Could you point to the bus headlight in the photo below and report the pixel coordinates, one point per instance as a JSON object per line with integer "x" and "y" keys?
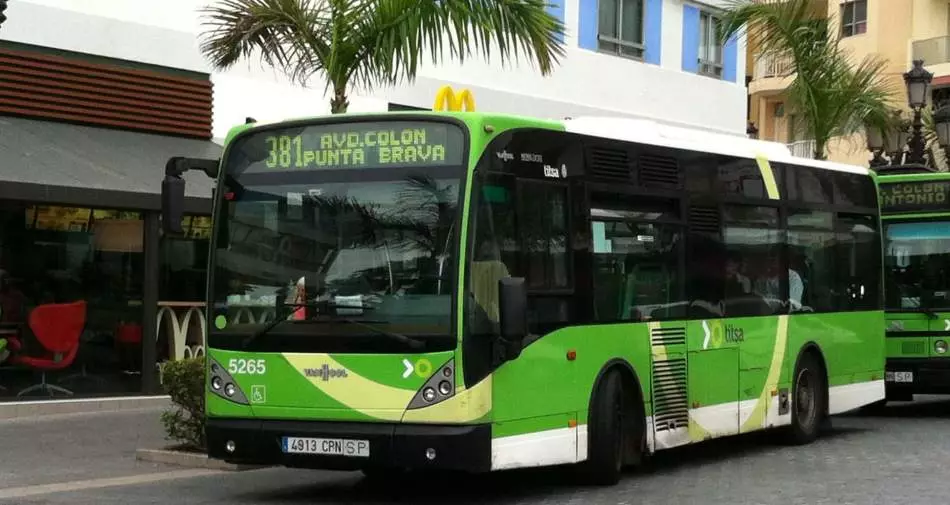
{"x": 223, "y": 385}
{"x": 438, "y": 387}
{"x": 940, "y": 346}
{"x": 445, "y": 387}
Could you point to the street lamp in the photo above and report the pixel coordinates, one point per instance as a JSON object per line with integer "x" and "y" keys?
{"x": 876, "y": 145}
{"x": 942, "y": 125}
{"x": 917, "y": 80}
{"x": 903, "y": 140}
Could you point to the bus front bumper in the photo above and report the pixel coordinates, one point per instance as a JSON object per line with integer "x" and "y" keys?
{"x": 918, "y": 376}
{"x": 352, "y": 446}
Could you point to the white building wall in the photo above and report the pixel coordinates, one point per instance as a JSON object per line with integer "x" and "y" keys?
{"x": 166, "y": 33}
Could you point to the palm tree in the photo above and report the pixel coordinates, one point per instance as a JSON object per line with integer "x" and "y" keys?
{"x": 835, "y": 96}
{"x": 373, "y": 42}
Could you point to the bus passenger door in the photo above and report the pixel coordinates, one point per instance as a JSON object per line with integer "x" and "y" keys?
{"x": 713, "y": 380}
{"x": 713, "y": 359}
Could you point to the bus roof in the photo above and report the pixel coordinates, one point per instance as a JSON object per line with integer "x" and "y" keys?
{"x": 907, "y": 177}
{"x": 651, "y": 132}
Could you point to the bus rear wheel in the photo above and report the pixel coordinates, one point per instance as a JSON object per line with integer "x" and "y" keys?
{"x": 607, "y": 431}
{"x": 809, "y": 394}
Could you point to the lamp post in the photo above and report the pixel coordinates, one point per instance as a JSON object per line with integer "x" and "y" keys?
{"x": 917, "y": 80}
{"x": 905, "y": 134}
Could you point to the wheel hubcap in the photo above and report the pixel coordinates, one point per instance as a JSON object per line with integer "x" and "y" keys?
{"x": 805, "y": 398}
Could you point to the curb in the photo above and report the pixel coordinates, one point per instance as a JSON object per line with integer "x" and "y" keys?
{"x": 190, "y": 459}
{"x": 15, "y": 410}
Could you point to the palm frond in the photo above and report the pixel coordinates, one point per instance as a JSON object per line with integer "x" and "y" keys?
{"x": 284, "y": 32}
{"x": 401, "y": 31}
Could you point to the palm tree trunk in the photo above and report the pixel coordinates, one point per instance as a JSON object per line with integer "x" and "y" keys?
{"x": 339, "y": 103}
{"x": 820, "y": 149}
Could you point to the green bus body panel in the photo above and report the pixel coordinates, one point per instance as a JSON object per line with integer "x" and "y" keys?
{"x": 916, "y": 346}
{"x": 736, "y": 363}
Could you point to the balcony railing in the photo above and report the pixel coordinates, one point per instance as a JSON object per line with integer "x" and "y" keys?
{"x": 933, "y": 51}
{"x": 803, "y": 148}
{"x": 772, "y": 65}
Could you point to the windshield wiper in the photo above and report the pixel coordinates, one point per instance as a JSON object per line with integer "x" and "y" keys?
{"x": 282, "y": 317}
{"x": 411, "y": 342}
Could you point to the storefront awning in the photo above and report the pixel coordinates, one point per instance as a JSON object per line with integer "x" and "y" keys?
{"x": 43, "y": 161}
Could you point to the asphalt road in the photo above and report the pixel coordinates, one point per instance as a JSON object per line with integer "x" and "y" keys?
{"x": 898, "y": 456}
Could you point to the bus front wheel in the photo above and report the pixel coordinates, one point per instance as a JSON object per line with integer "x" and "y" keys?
{"x": 808, "y": 400}
{"x": 607, "y": 430}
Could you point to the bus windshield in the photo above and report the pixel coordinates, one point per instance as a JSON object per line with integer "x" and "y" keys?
{"x": 336, "y": 224}
{"x": 917, "y": 264}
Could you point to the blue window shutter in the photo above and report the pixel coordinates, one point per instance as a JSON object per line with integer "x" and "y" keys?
{"x": 653, "y": 31}
{"x": 587, "y": 24}
{"x": 730, "y": 57}
{"x": 556, "y": 9}
{"x": 690, "y": 39}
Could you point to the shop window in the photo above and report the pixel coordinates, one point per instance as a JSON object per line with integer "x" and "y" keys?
{"x": 59, "y": 254}
{"x": 184, "y": 261}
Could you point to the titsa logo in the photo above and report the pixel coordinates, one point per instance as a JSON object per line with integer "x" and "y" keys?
{"x": 734, "y": 334}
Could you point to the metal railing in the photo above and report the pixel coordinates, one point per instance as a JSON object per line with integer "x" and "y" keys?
{"x": 933, "y": 51}
{"x": 772, "y": 65}
{"x": 802, "y": 148}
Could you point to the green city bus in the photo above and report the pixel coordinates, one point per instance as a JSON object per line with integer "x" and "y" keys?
{"x": 476, "y": 292}
{"x": 915, "y": 213}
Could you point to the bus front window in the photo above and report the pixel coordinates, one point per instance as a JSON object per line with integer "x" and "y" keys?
{"x": 355, "y": 243}
{"x": 917, "y": 264}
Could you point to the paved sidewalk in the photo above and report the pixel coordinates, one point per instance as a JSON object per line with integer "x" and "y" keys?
{"x": 75, "y": 447}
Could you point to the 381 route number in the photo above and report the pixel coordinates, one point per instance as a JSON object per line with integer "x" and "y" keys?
{"x": 247, "y": 366}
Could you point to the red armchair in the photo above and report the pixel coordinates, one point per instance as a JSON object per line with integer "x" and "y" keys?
{"x": 57, "y": 327}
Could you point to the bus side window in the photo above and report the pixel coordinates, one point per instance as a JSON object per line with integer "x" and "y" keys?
{"x": 758, "y": 281}
{"x": 636, "y": 271}
{"x": 858, "y": 263}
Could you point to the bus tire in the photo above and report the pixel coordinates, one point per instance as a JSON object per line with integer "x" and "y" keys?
{"x": 607, "y": 437}
{"x": 809, "y": 396}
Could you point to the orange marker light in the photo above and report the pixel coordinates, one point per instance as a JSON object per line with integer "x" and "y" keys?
{"x": 572, "y": 423}
{"x": 571, "y": 355}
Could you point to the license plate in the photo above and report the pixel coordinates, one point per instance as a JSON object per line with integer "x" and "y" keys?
{"x": 326, "y": 446}
{"x": 899, "y": 376}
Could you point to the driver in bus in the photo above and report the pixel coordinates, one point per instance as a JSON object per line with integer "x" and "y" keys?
{"x": 487, "y": 271}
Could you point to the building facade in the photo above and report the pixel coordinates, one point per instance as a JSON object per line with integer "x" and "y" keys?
{"x": 96, "y": 96}
{"x": 898, "y": 31}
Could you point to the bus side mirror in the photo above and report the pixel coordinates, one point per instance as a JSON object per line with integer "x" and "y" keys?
{"x": 173, "y": 203}
{"x": 513, "y": 309}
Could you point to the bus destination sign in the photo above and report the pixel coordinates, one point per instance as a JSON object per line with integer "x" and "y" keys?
{"x": 915, "y": 196}
{"x": 357, "y": 145}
